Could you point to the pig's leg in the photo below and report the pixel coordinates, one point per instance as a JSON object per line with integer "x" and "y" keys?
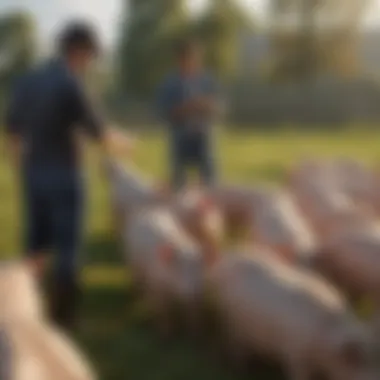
{"x": 138, "y": 283}
{"x": 297, "y": 367}
{"x": 159, "y": 304}
{"x": 376, "y": 323}
{"x": 236, "y": 348}
{"x": 194, "y": 317}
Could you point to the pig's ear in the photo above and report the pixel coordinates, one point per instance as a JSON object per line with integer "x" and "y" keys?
{"x": 166, "y": 254}
{"x": 353, "y": 354}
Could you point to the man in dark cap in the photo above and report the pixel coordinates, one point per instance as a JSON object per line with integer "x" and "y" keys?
{"x": 47, "y": 110}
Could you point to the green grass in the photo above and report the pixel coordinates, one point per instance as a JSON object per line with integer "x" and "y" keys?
{"x": 114, "y": 334}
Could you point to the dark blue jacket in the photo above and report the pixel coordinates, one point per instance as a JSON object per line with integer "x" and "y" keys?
{"x": 47, "y": 106}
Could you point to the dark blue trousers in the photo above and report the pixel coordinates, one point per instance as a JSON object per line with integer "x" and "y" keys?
{"x": 191, "y": 151}
{"x": 54, "y": 213}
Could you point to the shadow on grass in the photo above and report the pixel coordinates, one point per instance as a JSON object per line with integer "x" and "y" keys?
{"x": 104, "y": 249}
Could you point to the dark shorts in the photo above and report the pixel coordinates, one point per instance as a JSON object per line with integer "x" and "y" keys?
{"x": 53, "y": 214}
{"x": 192, "y": 151}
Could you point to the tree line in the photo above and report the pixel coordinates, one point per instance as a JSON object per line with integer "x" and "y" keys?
{"x": 300, "y": 48}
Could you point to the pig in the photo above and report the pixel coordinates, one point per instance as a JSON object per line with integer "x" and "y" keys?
{"x": 200, "y": 216}
{"x": 235, "y": 203}
{"x": 135, "y": 190}
{"x": 321, "y": 201}
{"x": 350, "y": 256}
{"x": 354, "y": 179}
{"x": 348, "y": 240}
{"x": 323, "y": 197}
{"x": 36, "y": 350}
{"x": 311, "y": 171}
{"x": 293, "y": 316}
{"x": 195, "y": 211}
{"x": 310, "y": 178}
{"x": 375, "y": 194}
{"x": 20, "y": 296}
{"x": 337, "y": 211}
{"x": 167, "y": 265}
{"x": 130, "y": 191}
{"x": 278, "y": 224}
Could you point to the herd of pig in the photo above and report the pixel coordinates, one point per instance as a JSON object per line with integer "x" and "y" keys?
{"x": 311, "y": 247}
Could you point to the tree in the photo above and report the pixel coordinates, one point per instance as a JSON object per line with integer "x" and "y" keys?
{"x": 146, "y": 46}
{"x": 219, "y": 29}
{"x": 17, "y": 45}
{"x": 339, "y": 45}
{"x": 318, "y": 36}
{"x": 17, "y": 48}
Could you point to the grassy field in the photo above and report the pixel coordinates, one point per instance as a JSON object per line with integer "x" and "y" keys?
{"x": 115, "y": 334}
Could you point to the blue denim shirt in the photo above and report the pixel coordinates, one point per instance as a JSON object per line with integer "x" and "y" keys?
{"x": 176, "y": 90}
{"x": 46, "y": 107}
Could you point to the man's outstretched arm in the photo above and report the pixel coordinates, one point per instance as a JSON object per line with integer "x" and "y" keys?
{"x": 110, "y": 139}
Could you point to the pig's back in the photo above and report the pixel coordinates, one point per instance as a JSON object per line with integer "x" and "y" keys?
{"x": 279, "y": 217}
{"x": 129, "y": 188}
{"x": 135, "y": 188}
{"x": 142, "y": 237}
{"x": 355, "y": 253}
{"x": 153, "y": 227}
{"x": 276, "y": 298}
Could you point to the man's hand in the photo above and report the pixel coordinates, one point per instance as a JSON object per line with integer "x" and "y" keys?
{"x": 117, "y": 142}
{"x": 202, "y": 101}
{"x": 208, "y": 105}
{"x": 200, "y": 104}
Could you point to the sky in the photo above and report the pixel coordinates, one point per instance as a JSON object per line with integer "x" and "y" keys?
{"x": 51, "y": 14}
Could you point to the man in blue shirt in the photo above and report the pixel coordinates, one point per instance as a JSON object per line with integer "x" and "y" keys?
{"x": 47, "y": 110}
{"x": 188, "y": 102}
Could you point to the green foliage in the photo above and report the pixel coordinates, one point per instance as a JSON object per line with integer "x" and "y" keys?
{"x": 17, "y": 49}
{"x": 313, "y": 45}
{"x": 146, "y": 46}
{"x": 17, "y": 45}
{"x": 220, "y": 29}
{"x": 154, "y": 26}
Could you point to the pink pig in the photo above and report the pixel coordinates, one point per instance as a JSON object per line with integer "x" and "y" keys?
{"x": 166, "y": 263}
{"x": 278, "y": 224}
{"x": 290, "y": 315}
